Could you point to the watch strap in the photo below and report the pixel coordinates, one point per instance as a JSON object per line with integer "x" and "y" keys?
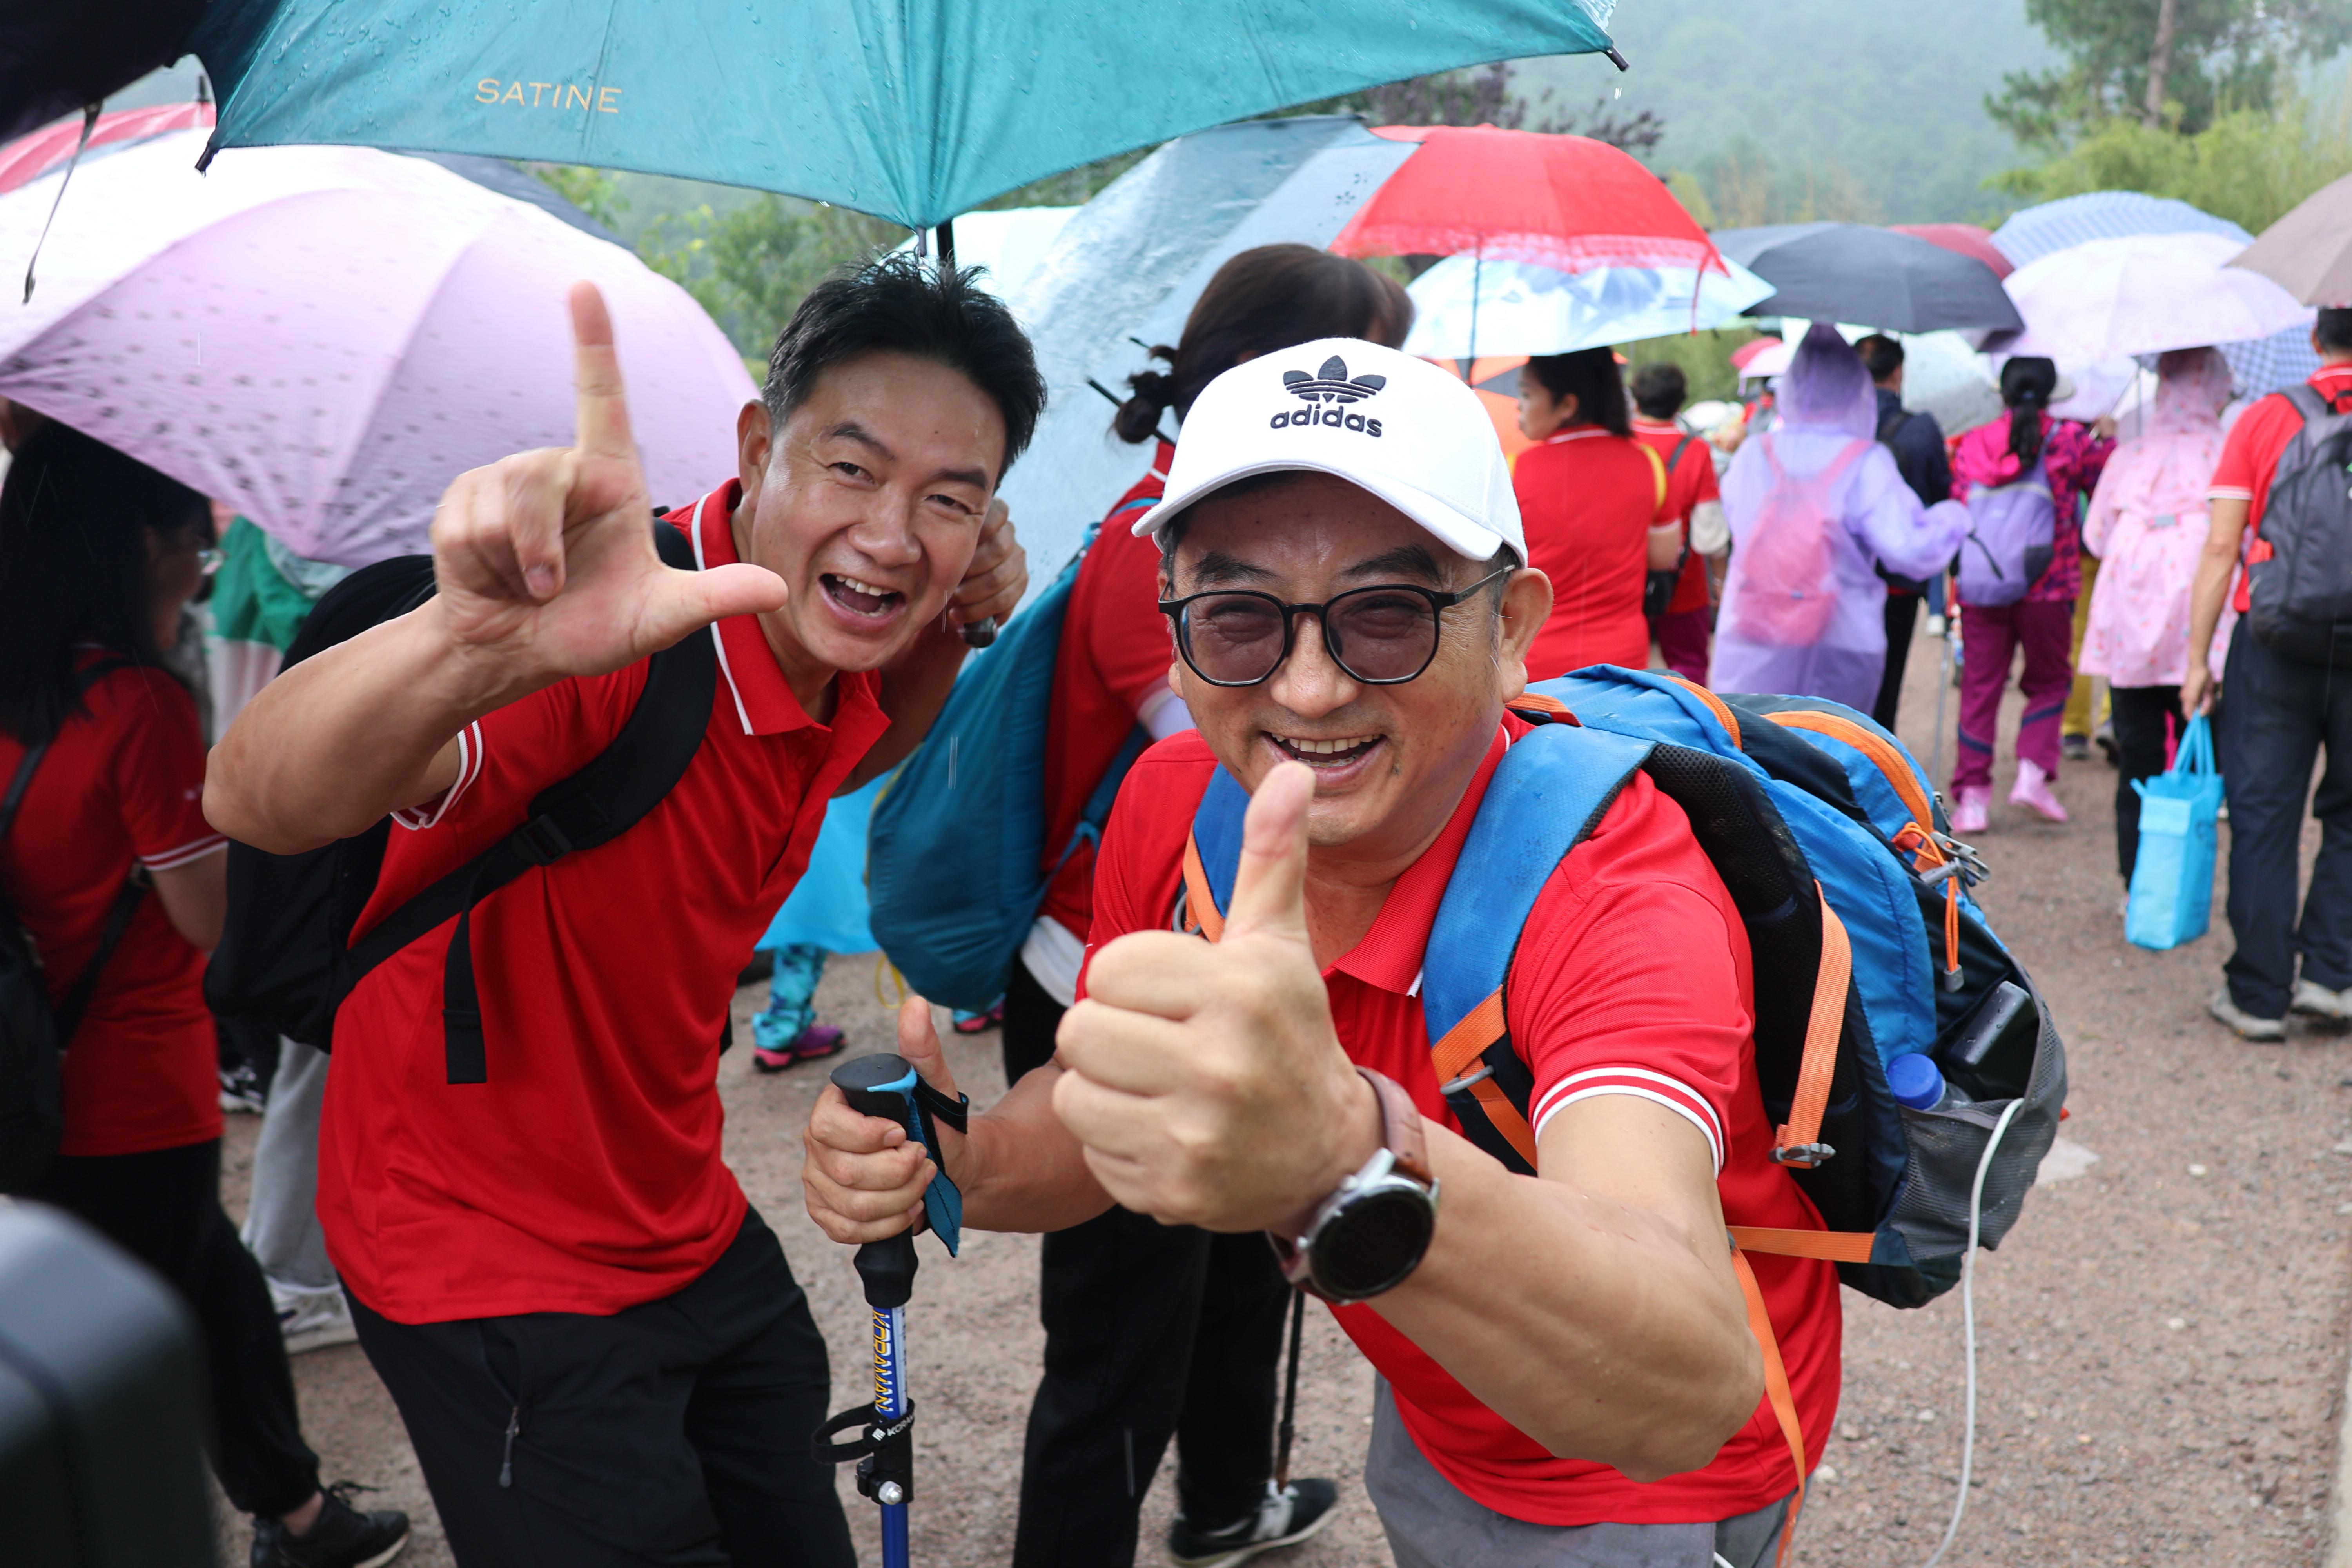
{"x": 1401, "y": 1130}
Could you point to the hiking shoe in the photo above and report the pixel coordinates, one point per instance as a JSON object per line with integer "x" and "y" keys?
{"x": 1284, "y": 1519}
{"x": 314, "y": 1319}
{"x": 2261, "y": 1031}
{"x": 242, "y": 1092}
{"x": 979, "y": 1023}
{"x": 1971, "y": 810}
{"x": 2074, "y": 748}
{"x": 340, "y": 1537}
{"x": 2313, "y": 1000}
{"x": 2032, "y": 791}
{"x": 813, "y": 1043}
{"x": 2103, "y": 737}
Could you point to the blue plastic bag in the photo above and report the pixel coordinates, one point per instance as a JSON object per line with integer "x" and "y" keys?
{"x": 2172, "y": 879}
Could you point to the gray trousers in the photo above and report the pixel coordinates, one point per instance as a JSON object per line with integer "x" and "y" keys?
{"x": 281, "y": 1224}
{"x": 1431, "y": 1524}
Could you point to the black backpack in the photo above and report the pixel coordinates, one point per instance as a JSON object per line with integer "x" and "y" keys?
{"x": 286, "y": 959}
{"x": 2299, "y": 599}
{"x": 33, "y": 1034}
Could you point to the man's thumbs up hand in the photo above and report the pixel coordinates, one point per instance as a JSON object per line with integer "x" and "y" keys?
{"x": 1205, "y": 1080}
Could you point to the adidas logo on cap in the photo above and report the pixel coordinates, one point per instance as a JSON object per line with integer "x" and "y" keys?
{"x": 1401, "y": 428}
{"x": 1329, "y": 385}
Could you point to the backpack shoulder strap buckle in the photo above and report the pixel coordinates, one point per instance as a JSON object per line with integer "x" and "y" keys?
{"x": 540, "y": 841}
{"x": 1806, "y": 1156}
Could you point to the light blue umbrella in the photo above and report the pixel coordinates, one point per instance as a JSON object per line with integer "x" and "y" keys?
{"x": 1464, "y": 307}
{"x": 2260, "y": 364}
{"x": 913, "y": 110}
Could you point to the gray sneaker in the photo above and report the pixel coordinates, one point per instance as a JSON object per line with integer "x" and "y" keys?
{"x": 2262, "y": 1031}
{"x": 2316, "y": 1001}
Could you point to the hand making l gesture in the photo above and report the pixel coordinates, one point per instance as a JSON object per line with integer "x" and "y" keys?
{"x": 545, "y": 561}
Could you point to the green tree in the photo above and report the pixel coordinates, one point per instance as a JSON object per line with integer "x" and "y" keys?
{"x": 596, "y": 192}
{"x": 2249, "y": 166}
{"x": 750, "y": 267}
{"x": 2178, "y": 63}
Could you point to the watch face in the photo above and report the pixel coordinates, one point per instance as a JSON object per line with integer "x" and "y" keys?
{"x": 1375, "y": 1242}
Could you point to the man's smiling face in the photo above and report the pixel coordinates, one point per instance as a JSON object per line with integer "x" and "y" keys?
{"x": 868, "y": 501}
{"x": 1391, "y": 761}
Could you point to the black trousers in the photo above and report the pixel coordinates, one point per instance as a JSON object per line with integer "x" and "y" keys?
{"x": 1902, "y": 614}
{"x": 1151, "y": 1331}
{"x": 2144, "y": 717}
{"x": 673, "y": 1432}
{"x": 2275, "y": 715}
{"x": 163, "y": 1208}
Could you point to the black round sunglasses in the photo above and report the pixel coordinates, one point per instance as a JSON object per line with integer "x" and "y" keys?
{"x": 1381, "y": 636}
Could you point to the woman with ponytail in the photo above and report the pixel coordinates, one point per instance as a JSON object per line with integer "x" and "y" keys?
{"x": 2006, "y": 452}
{"x": 1150, "y": 1328}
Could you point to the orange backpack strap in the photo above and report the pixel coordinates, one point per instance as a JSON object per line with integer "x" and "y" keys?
{"x": 1715, "y": 705}
{"x": 1918, "y": 837}
{"x": 1829, "y": 1246}
{"x": 1460, "y": 1062}
{"x": 1777, "y": 1390}
{"x": 1200, "y": 902}
{"x": 1798, "y": 1142}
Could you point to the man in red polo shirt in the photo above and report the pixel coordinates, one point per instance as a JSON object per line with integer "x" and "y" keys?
{"x": 1694, "y": 503}
{"x": 2275, "y": 713}
{"x": 1566, "y": 1373}
{"x": 596, "y": 1345}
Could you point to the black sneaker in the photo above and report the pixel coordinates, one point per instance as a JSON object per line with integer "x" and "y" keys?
{"x": 1285, "y": 1518}
{"x": 341, "y": 1536}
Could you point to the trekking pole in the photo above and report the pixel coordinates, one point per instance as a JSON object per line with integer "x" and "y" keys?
{"x": 1943, "y": 685}
{"x": 1289, "y": 1394}
{"x": 886, "y": 1086}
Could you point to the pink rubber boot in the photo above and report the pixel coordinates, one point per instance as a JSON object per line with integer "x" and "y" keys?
{"x": 1971, "y": 810}
{"x": 2032, "y": 791}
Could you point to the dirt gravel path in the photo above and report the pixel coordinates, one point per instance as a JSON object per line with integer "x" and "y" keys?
{"x": 2161, "y": 1340}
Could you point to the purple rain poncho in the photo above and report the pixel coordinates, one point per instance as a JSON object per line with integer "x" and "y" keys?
{"x": 1813, "y": 504}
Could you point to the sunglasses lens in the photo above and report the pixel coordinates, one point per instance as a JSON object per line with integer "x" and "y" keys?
{"x": 1382, "y": 634}
{"x": 1232, "y": 638}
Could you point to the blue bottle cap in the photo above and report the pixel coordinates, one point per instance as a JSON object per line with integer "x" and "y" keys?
{"x": 1916, "y": 1080}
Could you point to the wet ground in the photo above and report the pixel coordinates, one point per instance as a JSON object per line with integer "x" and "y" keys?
{"x": 2161, "y": 1340}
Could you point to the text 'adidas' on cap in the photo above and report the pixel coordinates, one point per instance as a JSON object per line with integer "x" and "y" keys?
{"x": 1395, "y": 425}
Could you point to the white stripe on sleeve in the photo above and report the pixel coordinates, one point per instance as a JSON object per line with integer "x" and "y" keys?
{"x": 193, "y": 850}
{"x": 1642, "y": 1084}
{"x": 470, "y": 768}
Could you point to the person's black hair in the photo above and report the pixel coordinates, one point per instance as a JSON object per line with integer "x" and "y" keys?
{"x": 74, "y": 516}
{"x": 2026, "y": 384}
{"x": 1264, "y": 300}
{"x": 1659, "y": 390}
{"x": 2334, "y": 330}
{"x": 1881, "y": 355}
{"x": 900, "y": 303}
{"x": 1594, "y": 376}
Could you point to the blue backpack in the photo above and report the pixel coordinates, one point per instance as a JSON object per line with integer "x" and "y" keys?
{"x": 955, "y": 857}
{"x": 1866, "y": 947}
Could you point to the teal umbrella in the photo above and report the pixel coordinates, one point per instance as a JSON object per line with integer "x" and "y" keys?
{"x": 913, "y": 110}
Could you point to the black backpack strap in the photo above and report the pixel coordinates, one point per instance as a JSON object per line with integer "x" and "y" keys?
{"x": 594, "y": 806}
{"x": 109, "y": 937}
{"x": 68, "y": 1013}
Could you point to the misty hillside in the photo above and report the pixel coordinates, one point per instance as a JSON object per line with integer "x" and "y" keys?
{"x": 1883, "y": 98}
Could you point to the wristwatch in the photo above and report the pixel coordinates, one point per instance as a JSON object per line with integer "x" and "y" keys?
{"x": 1371, "y": 1234}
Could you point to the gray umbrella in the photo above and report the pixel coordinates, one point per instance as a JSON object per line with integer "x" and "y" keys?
{"x": 1853, "y": 272}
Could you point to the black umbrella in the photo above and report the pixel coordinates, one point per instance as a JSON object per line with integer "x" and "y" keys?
{"x": 1852, "y": 272}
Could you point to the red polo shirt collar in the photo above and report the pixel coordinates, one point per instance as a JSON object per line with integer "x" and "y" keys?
{"x": 764, "y": 702}
{"x": 1390, "y": 955}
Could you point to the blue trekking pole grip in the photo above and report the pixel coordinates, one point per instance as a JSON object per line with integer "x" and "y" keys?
{"x": 886, "y": 1086}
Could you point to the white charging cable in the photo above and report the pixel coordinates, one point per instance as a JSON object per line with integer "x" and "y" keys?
{"x": 1969, "y": 1327}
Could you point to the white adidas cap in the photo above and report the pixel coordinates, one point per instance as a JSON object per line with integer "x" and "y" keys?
{"x": 1395, "y": 425}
